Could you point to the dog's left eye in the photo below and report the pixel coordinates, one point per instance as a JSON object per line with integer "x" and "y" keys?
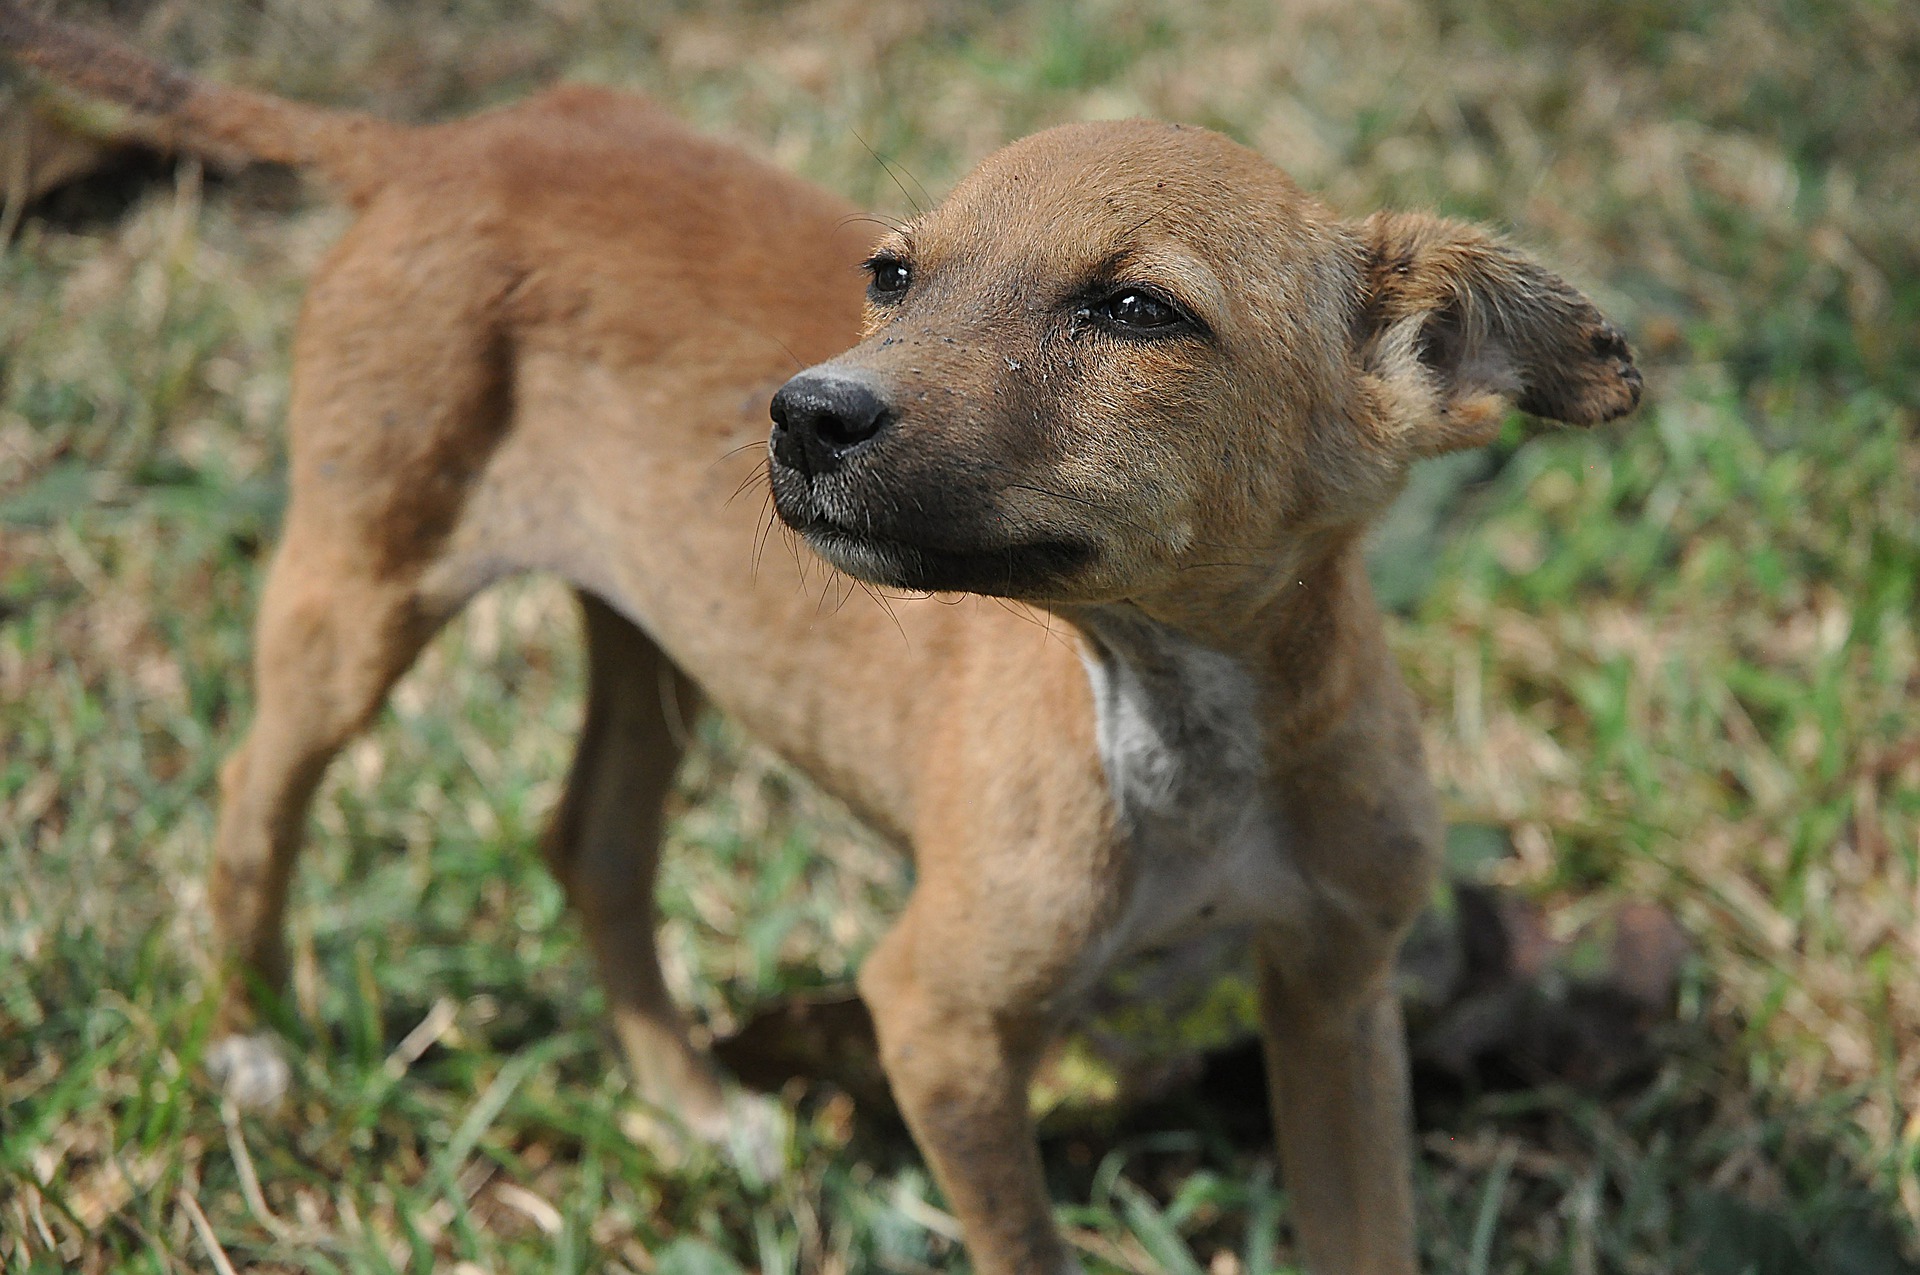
{"x": 1132, "y": 310}
{"x": 888, "y": 277}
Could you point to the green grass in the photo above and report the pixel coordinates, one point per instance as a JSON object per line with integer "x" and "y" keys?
{"x": 1674, "y": 660}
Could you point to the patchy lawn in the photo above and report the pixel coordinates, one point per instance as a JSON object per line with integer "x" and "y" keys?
{"x": 1670, "y": 662}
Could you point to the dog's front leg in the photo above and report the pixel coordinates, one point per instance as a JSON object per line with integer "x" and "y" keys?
{"x": 1366, "y": 837}
{"x": 1338, "y": 1078}
{"x": 959, "y": 1068}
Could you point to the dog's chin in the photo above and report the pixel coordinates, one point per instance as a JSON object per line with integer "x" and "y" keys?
{"x": 951, "y": 555}
{"x": 863, "y": 557}
{"x": 1031, "y": 572}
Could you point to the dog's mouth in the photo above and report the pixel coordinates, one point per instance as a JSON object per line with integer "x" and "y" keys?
{"x": 1025, "y": 569}
{"x": 927, "y": 528}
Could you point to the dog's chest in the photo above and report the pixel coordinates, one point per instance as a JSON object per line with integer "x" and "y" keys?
{"x": 1180, "y": 741}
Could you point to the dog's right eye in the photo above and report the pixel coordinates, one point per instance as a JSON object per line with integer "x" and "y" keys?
{"x": 888, "y": 277}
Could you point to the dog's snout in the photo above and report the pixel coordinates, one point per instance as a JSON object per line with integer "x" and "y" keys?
{"x": 818, "y": 418}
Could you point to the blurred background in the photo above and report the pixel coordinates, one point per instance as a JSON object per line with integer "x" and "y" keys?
{"x": 1668, "y": 1013}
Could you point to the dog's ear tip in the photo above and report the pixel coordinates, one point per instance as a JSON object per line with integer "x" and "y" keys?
{"x": 1635, "y": 386}
{"x": 1621, "y": 385}
{"x": 1605, "y": 393}
{"x": 1494, "y": 321}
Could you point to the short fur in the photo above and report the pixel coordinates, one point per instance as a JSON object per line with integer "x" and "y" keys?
{"x": 544, "y": 345}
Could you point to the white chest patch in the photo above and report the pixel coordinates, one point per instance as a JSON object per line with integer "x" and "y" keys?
{"x": 1180, "y": 740}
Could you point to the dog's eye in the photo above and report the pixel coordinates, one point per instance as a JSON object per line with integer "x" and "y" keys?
{"x": 889, "y": 277}
{"x": 1133, "y": 310}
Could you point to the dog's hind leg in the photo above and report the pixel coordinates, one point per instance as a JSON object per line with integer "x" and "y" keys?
{"x": 603, "y": 845}
{"x": 402, "y": 393}
{"x": 330, "y": 640}
{"x": 1365, "y": 831}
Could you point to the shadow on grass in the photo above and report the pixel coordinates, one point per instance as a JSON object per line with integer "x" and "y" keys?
{"x": 1651, "y": 1130}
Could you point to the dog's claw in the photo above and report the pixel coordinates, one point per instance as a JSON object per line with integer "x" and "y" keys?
{"x": 250, "y": 1070}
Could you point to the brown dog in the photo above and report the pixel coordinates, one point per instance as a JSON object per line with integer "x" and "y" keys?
{"x": 1127, "y": 375}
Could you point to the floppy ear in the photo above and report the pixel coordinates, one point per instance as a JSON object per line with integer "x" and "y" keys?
{"x": 1457, "y": 326}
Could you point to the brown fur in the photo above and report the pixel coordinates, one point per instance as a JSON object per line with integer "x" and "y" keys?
{"x": 545, "y": 343}
{"x": 354, "y": 151}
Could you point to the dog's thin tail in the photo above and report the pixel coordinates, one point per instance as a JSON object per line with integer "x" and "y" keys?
{"x": 349, "y": 149}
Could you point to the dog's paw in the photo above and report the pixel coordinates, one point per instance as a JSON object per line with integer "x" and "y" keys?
{"x": 749, "y": 1131}
{"x": 250, "y": 1070}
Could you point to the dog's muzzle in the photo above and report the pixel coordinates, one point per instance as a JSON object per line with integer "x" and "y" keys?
{"x": 908, "y": 518}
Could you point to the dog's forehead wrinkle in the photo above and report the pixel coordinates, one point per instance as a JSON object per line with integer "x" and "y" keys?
{"x": 1091, "y": 186}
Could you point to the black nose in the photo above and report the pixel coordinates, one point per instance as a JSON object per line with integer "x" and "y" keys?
{"x": 819, "y": 417}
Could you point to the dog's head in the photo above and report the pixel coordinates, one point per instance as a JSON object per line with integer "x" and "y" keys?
{"x": 1124, "y": 357}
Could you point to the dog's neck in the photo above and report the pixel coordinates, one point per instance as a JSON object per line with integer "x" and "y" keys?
{"x": 1181, "y": 741}
{"x": 1175, "y": 720}
{"x": 1224, "y": 677}
{"x": 1237, "y": 599}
